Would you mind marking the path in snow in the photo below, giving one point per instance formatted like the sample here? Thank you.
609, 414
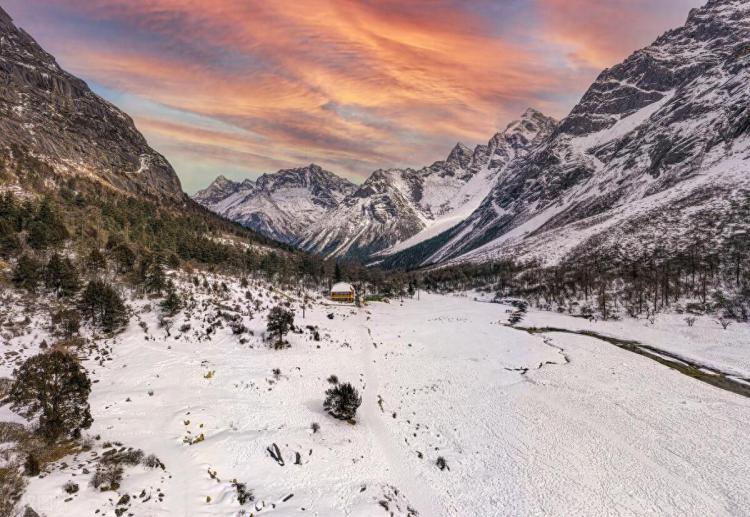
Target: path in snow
418, 494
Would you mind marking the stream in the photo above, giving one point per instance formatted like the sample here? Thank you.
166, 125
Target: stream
703, 373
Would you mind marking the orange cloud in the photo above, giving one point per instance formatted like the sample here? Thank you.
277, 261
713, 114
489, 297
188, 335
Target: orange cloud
599, 34
344, 83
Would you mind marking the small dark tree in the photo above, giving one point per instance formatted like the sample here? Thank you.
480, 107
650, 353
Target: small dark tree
280, 321
96, 261
123, 257
9, 243
103, 306
154, 279
54, 387
27, 273
31, 465
67, 321
60, 275
337, 275
171, 303
342, 401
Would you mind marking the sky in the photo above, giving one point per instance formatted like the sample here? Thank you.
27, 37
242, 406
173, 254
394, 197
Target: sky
243, 87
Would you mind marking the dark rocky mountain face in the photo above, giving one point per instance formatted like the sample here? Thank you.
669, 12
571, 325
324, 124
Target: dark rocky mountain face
669, 125
54, 116
281, 205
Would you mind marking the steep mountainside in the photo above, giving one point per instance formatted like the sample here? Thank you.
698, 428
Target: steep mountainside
657, 146
54, 116
282, 205
398, 206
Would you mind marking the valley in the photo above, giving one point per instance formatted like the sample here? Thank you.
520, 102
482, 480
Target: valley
552, 320
526, 423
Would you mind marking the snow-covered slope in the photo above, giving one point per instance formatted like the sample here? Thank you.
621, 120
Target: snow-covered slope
665, 134
281, 205
396, 208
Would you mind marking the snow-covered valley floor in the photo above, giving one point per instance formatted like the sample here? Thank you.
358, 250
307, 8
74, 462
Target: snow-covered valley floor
547, 424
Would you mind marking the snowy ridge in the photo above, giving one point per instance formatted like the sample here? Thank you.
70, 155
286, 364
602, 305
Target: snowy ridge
666, 129
396, 208
281, 205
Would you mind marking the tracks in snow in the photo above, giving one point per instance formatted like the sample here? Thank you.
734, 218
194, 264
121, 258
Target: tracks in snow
417, 494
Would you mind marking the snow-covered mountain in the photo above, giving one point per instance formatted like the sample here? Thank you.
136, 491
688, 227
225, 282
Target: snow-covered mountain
656, 150
281, 205
400, 207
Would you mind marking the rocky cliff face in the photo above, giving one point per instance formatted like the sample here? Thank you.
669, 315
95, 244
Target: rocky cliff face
281, 205
55, 117
665, 132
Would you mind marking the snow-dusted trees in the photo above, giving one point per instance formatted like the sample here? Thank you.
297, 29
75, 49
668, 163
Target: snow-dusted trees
279, 323
342, 401
54, 387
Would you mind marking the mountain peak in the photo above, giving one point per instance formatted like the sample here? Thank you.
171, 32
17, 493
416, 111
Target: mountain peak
460, 155
5, 17
220, 180
531, 113
530, 120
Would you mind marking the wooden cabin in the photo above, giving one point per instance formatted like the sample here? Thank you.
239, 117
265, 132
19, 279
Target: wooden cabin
342, 292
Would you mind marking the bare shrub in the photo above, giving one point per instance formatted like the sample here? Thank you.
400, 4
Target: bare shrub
107, 477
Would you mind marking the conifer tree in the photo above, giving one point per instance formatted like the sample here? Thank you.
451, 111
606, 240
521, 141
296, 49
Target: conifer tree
54, 387
27, 273
171, 303
280, 321
154, 278
101, 303
342, 401
60, 275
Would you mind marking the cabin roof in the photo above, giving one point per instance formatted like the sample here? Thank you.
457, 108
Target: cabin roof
342, 287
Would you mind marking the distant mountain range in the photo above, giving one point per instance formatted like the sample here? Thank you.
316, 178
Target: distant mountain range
282, 205
321, 212
657, 148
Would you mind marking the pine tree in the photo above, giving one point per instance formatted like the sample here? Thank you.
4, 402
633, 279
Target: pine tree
123, 257
103, 306
342, 401
171, 303
280, 321
154, 279
337, 276
9, 243
54, 387
60, 275
95, 260
27, 273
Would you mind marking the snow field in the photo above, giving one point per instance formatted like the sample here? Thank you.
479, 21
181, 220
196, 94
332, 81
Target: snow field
550, 424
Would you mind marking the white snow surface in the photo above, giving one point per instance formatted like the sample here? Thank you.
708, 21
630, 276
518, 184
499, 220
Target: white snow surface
589, 429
